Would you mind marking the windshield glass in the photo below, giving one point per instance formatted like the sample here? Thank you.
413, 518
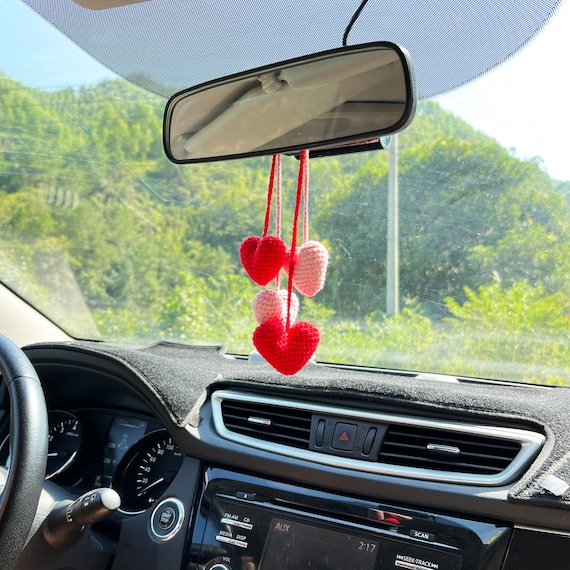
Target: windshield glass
111, 241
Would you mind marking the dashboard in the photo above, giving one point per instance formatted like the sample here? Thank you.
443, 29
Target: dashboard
221, 464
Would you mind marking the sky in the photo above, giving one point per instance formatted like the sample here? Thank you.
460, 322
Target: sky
533, 121
22, 31
532, 117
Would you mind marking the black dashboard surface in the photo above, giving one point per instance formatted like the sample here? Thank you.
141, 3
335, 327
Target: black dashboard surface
168, 387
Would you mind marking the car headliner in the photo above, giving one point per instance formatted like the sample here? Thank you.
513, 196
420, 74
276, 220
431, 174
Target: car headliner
167, 45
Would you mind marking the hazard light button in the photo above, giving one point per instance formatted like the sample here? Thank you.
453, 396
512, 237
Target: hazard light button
344, 437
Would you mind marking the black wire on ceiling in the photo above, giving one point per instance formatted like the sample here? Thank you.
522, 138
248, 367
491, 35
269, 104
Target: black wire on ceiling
352, 21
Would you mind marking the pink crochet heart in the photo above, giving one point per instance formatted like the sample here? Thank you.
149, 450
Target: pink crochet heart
310, 267
262, 258
286, 351
273, 304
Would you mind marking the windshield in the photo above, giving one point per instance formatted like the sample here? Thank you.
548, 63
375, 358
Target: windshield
466, 273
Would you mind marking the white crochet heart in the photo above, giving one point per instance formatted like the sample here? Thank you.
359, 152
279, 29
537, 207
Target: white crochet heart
310, 267
269, 304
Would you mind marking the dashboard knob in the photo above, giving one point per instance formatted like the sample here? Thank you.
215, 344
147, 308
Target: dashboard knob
219, 566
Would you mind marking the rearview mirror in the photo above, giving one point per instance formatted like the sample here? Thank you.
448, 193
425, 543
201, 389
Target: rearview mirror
330, 99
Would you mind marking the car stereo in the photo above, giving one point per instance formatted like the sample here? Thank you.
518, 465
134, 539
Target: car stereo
245, 523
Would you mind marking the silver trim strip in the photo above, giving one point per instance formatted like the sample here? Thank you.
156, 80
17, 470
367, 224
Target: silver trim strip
531, 442
543, 530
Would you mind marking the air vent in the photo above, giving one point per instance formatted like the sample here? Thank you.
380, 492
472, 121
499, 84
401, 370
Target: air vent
421, 448
276, 424
456, 452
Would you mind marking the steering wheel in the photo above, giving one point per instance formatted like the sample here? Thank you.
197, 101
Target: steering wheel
28, 450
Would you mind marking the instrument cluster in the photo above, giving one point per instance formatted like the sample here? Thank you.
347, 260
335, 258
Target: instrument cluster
131, 453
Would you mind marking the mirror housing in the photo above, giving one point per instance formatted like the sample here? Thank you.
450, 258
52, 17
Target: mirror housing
330, 100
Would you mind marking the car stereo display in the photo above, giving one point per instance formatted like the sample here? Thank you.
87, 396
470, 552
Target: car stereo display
242, 532
292, 545
244, 522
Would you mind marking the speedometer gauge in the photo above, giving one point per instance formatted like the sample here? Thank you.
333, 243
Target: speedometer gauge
147, 470
64, 439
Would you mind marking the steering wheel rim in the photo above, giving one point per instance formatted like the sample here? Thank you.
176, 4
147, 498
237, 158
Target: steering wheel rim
28, 445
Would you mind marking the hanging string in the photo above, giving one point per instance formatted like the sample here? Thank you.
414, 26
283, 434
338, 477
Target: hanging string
278, 198
306, 199
278, 212
300, 188
269, 195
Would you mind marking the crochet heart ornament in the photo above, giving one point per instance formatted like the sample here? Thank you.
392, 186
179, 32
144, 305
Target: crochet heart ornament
262, 258
287, 350
287, 347
273, 304
310, 267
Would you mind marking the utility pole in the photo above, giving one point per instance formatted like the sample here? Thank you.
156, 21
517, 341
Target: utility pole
393, 237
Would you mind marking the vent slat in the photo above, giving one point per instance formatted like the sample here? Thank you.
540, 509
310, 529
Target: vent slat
274, 425
275, 429
284, 425
407, 446
428, 463
419, 449
435, 436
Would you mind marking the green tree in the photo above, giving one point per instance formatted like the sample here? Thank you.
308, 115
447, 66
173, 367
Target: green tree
519, 331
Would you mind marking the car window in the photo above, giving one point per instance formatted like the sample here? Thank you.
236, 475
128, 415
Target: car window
110, 240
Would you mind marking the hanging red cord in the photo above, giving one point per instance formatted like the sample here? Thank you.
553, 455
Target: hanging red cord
278, 212
312, 258
278, 199
270, 196
306, 198
300, 188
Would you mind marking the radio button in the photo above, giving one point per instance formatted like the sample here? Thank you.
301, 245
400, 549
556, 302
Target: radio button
409, 565
320, 435
369, 441
232, 541
422, 534
238, 524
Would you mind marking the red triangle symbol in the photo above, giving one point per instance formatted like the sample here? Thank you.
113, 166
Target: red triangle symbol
343, 437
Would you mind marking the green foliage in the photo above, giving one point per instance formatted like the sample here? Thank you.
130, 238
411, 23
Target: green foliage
206, 309
88, 203
519, 328
403, 341
468, 210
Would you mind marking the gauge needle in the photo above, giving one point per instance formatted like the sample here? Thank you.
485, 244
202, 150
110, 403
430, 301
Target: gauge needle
53, 454
157, 482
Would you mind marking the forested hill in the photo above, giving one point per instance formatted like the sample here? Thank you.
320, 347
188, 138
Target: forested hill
83, 173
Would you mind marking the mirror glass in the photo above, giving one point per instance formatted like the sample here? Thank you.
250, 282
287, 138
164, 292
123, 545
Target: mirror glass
332, 98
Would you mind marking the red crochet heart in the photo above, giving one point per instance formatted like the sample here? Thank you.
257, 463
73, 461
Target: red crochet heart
286, 351
310, 267
262, 258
